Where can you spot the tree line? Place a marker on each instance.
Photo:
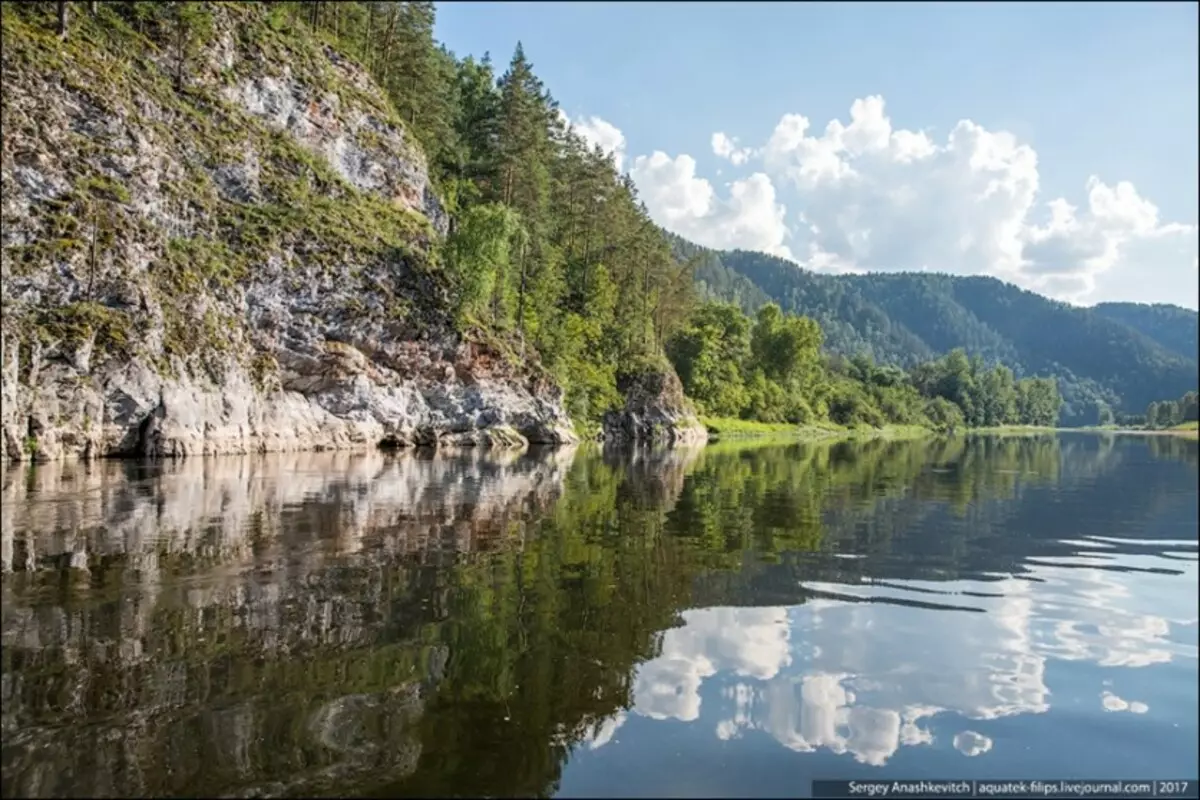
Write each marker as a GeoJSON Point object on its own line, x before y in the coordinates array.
{"type": "Point", "coordinates": [552, 254]}
{"type": "Point", "coordinates": [1169, 413]}
{"type": "Point", "coordinates": [772, 369]}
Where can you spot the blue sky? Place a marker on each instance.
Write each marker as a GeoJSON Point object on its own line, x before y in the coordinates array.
{"type": "Point", "coordinates": [1107, 90]}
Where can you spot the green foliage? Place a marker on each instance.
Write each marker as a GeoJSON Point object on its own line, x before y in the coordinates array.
{"type": "Point", "coordinates": [709, 355]}
{"type": "Point", "coordinates": [71, 326]}
{"type": "Point", "coordinates": [772, 371]}
{"type": "Point", "coordinates": [905, 319]}
{"type": "Point", "coordinates": [479, 260]}
{"type": "Point", "coordinates": [1175, 329]}
{"type": "Point", "coordinates": [943, 415]}
{"type": "Point", "coordinates": [1163, 414]}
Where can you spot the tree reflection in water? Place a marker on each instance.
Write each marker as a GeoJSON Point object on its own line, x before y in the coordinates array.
{"type": "Point", "coordinates": [439, 624]}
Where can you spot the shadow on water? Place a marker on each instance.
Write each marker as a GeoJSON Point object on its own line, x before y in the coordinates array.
{"type": "Point", "coordinates": [400, 624]}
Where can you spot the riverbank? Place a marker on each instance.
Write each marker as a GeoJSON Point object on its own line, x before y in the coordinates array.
{"type": "Point", "coordinates": [725, 429]}
{"type": "Point", "coordinates": [1014, 430]}
{"type": "Point", "coordinates": [1187, 430]}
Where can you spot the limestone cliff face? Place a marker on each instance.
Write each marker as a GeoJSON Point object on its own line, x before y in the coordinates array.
{"type": "Point", "coordinates": [241, 264]}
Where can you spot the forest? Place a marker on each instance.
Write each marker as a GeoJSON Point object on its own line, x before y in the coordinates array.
{"type": "Point", "coordinates": [551, 251]}
{"type": "Point", "coordinates": [1110, 360]}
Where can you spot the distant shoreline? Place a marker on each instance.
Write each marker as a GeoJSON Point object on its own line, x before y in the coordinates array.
{"type": "Point", "coordinates": [723, 429]}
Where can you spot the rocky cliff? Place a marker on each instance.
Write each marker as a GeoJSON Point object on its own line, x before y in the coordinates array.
{"type": "Point", "coordinates": [236, 261]}
{"type": "Point", "coordinates": [655, 412]}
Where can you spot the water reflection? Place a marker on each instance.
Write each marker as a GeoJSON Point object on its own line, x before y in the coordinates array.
{"type": "Point", "coordinates": [679, 622]}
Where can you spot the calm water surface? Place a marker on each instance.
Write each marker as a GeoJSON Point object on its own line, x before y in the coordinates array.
{"type": "Point", "coordinates": [732, 621]}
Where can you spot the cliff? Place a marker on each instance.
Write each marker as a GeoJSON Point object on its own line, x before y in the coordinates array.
{"type": "Point", "coordinates": [655, 411]}
{"type": "Point", "coordinates": [239, 260]}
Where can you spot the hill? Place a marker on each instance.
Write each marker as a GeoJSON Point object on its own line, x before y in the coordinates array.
{"type": "Point", "coordinates": [1121, 355]}
{"type": "Point", "coordinates": [1176, 329]}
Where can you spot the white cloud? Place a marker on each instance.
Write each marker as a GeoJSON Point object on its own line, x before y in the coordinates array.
{"type": "Point", "coordinates": [750, 218]}
{"type": "Point", "coordinates": [875, 197]}
{"type": "Point", "coordinates": [884, 199]}
{"type": "Point", "coordinates": [603, 732]}
{"type": "Point", "coordinates": [727, 147]}
{"type": "Point", "coordinates": [600, 133]}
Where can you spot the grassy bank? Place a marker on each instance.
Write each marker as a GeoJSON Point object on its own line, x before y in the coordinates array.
{"type": "Point", "coordinates": [1188, 430]}
{"type": "Point", "coordinates": [722, 429]}
{"type": "Point", "coordinates": [1014, 430]}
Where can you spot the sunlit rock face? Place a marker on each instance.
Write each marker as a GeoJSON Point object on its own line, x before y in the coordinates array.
{"type": "Point", "coordinates": [172, 337]}
{"type": "Point", "coordinates": [655, 412]}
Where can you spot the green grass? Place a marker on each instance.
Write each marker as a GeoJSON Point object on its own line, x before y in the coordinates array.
{"type": "Point", "coordinates": [1186, 429]}
{"type": "Point", "coordinates": [890, 432]}
{"type": "Point", "coordinates": [305, 204]}
{"type": "Point", "coordinates": [1014, 430]}
{"type": "Point", "coordinates": [734, 427]}
{"type": "Point", "coordinates": [723, 428]}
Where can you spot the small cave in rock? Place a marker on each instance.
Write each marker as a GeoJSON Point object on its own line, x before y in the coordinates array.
{"type": "Point", "coordinates": [394, 442]}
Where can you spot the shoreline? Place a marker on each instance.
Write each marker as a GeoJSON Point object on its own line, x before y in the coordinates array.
{"type": "Point", "coordinates": [723, 430]}
{"type": "Point", "coordinates": [720, 431]}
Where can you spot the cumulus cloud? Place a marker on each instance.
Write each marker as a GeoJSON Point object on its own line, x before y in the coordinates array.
{"type": "Point", "coordinates": [727, 147]}
{"type": "Point", "coordinates": [600, 133]}
{"type": "Point", "coordinates": [751, 642]}
{"type": "Point", "coordinates": [749, 217]}
{"type": "Point", "coordinates": [879, 198]}
{"type": "Point", "coordinates": [603, 732]}
{"type": "Point", "coordinates": [868, 196]}
{"type": "Point", "coordinates": [970, 743]}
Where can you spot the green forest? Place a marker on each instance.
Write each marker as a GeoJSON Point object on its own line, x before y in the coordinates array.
{"type": "Point", "coordinates": [1110, 361]}
{"type": "Point", "coordinates": [551, 253]}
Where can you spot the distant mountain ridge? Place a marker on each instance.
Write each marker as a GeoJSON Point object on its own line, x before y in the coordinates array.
{"type": "Point", "coordinates": [1173, 327]}
{"type": "Point", "coordinates": [1120, 355]}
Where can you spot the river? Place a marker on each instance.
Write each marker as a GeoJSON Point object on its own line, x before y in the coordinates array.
{"type": "Point", "coordinates": [736, 620]}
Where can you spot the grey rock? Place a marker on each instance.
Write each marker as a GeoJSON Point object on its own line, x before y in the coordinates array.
{"type": "Point", "coordinates": [655, 412]}
{"type": "Point", "coordinates": [310, 349]}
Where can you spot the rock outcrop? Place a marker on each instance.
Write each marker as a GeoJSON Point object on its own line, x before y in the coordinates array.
{"type": "Point", "coordinates": [656, 411]}
{"type": "Point", "coordinates": [240, 265]}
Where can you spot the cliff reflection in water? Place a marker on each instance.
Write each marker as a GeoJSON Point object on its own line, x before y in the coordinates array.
{"type": "Point", "coordinates": [395, 624]}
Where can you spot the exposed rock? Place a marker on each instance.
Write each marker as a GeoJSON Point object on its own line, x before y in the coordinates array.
{"type": "Point", "coordinates": [261, 278]}
{"type": "Point", "coordinates": [655, 412]}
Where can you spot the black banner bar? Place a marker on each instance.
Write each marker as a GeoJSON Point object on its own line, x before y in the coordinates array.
{"type": "Point", "coordinates": [1008, 789]}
